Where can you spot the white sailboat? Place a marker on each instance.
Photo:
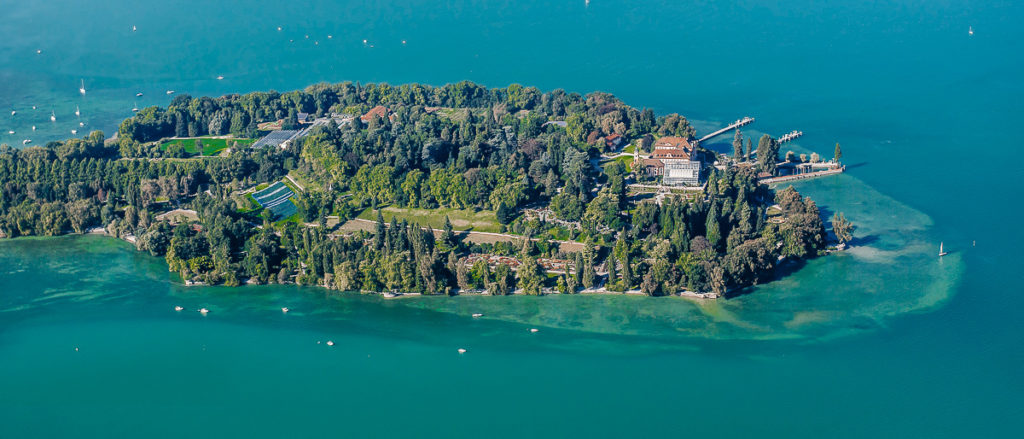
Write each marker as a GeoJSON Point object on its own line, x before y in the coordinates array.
{"type": "Point", "coordinates": [942, 252]}
{"type": "Point", "coordinates": [82, 88]}
{"type": "Point", "coordinates": [135, 109]}
{"type": "Point", "coordinates": [134, 28]}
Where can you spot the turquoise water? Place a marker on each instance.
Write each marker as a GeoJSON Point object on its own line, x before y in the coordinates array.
{"type": "Point", "coordinates": [884, 340]}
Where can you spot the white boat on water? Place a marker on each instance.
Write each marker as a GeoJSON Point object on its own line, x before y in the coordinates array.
{"type": "Point", "coordinates": [219, 77]}
{"type": "Point", "coordinates": [330, 343]}
{"type": "Point", "coordinates": [203, 311]}
{"type": "Point", "coordinates": [284, 310]}
{"type": "Point", "coordinates": [78, 112]}
{"type": "Point", "coordinates": [10, 132]}
{"type": "Point", "coordinates": [82, 88]}
{"type": "Point", "coordinates": [170, 92]}
{"type": "Point", "coordinates": [13, 112]}
{"type": "Point", "coordinates": [134, 28]}
{"type": "Point", "coordinates": [178, 308]}
{"type": "Point", "coordinates": [26, 141]}
{"type": "Point", "coordinates": [73, 132]}
{"type": "Point", "coordinates": [942, 252]}
{"type": "Point", "coordinates": [534, 330]}
{"type": "Point", "coordinates": [53, 117]}
{"type": "Point", "coordinates": [138, 95]}
{"type": "Point", "coordinates": [477, 315]}
{"type": "Point", "coordinates": [33, 127]}
{"type": "Point", "coordinates": [81, 124]}
{"type": "Point", "coordinates": [970, 30]}
{"type": "Point", "coordinates": [462, 351]}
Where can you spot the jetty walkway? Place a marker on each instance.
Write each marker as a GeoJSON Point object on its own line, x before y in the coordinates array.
{"type": "Point", "coordinates": [741, 122]}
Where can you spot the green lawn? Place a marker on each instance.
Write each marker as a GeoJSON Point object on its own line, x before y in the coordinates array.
{"type": "Point", "coordinates": [210, 145]}
{"type": "Point", "coordinates": [462, 219]}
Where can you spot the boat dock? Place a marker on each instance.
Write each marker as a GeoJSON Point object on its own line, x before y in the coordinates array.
{"type": "Point", "coordinates": [790, 136]}
{"type": "Point", "coordinates": [794, 177]}
{"type": "Point", "coordinates": [741, 122]}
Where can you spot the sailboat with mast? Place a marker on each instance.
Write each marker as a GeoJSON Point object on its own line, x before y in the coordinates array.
{"type": "Point", "coordinates": [942, 251]}
{"type": "Point", "coordinates": [82, 88]}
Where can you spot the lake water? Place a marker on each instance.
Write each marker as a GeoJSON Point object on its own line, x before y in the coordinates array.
{"type": "Point", "coordinates": [884, 340]}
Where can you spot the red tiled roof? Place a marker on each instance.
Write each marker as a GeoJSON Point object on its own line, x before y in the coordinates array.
{"type": "Point", "coordinates": [672, 143]}
{"type": "Point", "coordinates": [378, 111]}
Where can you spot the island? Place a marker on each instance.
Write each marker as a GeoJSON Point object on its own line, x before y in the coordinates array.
{"type": "Point", "coordinates": [417, 189]}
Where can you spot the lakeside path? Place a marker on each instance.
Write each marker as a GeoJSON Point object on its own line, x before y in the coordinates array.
{"type": "Point", "coordinates": [358, 224]}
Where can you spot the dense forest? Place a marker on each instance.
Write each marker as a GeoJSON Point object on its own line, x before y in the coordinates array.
{"type": "Point", "coordinates": [460, 146]}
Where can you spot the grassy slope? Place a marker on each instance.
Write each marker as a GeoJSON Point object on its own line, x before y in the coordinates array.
{"type": "Point", "coordinates": [462, 219]}
{"type": "Point", "coordinates": [210, 146]}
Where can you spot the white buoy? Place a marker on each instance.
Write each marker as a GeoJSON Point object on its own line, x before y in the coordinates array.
{"type": "Point", "coordinates": [330, 343]}
{"type": "Point", "coordinates": [178, 308]}
{"type": "Point", "coordinates": [462, 351]}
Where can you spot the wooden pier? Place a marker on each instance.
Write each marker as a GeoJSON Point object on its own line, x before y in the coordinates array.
{"type": "Point", "coordinates": [732, 126]}
{"type": "Point", "coordinates": [790, 136]}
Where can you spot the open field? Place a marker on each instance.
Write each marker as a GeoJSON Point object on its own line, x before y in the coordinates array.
{"type": "Point", "coordinates": [475, 237]}
{"type": "Point", "coordinates": [462, 219]}
{"type": "Point", "coordinates": [210, 145]}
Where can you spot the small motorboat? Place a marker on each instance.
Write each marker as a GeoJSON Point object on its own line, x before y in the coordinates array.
{"type": "Point", "coordinates": [38, 51]}
{"type": "Point", "coordinates": [33, 127]}
{"type": "Point", "coordinates": [942, 252]}
{"type": "Point", "coordinates": [13, 112]}
{"type": "Point", "coordinates": [81, 124]}
{"type": "Point", "coordinates": [78, 112]}
{"type": "Point", "coordinates": [134, 28]}
{"type": "Point", "coordinates": [284, 310]}
{"type": "Point", "coordinates": [53, 117]}
{"type": "Point", "coordinates": [73, 132]}
{"type": "Point", "coordinates": [138, 95]}
{"type": "Point", "coordinates": [330, 36]}
{"type": "Point", "coordinates": [10, 132]}
{"type": "Point", "coordinates": [178, 308]}
{"type": "Point", "coordinates": [219, 77]}
{"type": "Point", "coordinates": [477, 315]}
{"type": "Point", "coordinates": [170, 92]}
{"type": "Point", "coordinates": [534, 330]}
{"type": "Point", "coordinates": [203, 311]}
{"type": "Point", "coordinates": [462, 351]}
{"type": "Point", "coordinates": [330, 343]}
{"type": "Point", "coordinates": [82, 88]}
{"type": "Point", "coordinates": [279, 28]}
{"type": "Point", "coordinates": [26, 141]}
{"type": "Point", "coordinates": [970, 30]}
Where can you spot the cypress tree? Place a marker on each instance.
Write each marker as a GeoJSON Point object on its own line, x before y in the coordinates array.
{"type": "Point", "coordinates": [737, 146]}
